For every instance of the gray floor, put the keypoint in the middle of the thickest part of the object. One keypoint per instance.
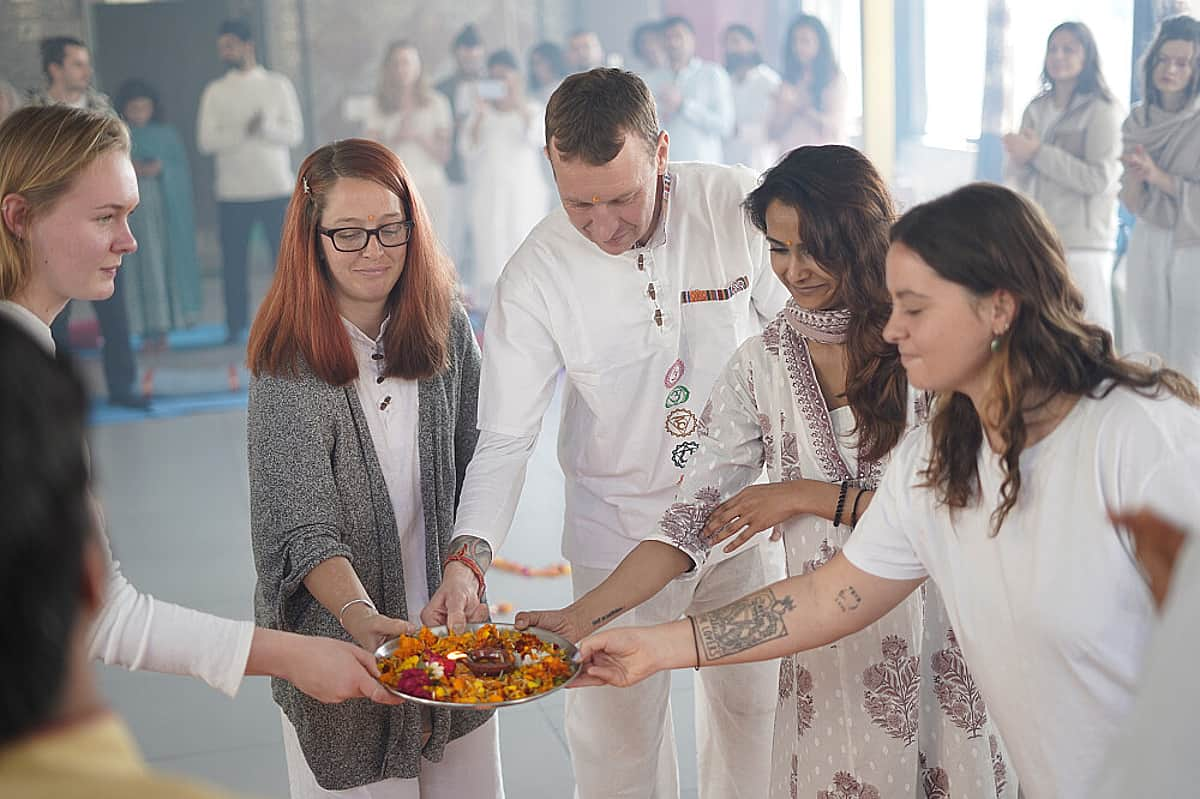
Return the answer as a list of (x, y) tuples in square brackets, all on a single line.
[(176, 498)]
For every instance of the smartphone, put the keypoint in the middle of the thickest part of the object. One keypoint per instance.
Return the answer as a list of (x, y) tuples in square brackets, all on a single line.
[(491, 89)]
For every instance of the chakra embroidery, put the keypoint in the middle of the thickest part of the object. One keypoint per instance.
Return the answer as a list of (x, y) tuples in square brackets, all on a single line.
[(678, 396), (681, 423), (709, 295), (674, 374), (681, 453)]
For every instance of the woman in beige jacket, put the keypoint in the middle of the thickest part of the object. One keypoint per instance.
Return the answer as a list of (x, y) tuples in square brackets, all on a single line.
[(1066, 158)]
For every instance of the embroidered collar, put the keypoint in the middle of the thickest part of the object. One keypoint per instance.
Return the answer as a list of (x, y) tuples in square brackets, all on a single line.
[(824, 327), (659, 236)]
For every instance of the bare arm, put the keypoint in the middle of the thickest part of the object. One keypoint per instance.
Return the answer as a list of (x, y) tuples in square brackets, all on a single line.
[(793, 615), (334, 583), (643, 573)]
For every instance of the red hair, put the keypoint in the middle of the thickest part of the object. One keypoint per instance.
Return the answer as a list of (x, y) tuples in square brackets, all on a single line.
[(299, 319)]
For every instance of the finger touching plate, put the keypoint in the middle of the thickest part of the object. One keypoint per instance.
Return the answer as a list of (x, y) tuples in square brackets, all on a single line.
[(481, 666)]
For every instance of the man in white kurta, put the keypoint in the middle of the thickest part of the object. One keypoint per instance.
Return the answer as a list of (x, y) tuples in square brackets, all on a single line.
[(642, 329)]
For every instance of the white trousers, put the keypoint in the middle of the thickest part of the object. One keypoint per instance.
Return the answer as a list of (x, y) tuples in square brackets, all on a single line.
[(470, 768), (622, 740), (1092, 272), (1162, 295)]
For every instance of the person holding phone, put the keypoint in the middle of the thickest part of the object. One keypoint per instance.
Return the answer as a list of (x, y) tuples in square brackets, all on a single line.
[(503, 150)]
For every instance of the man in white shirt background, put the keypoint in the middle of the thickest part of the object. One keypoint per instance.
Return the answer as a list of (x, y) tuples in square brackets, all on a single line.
[(641, 286), (248, 120), (694, 98), (754, 87), (584, 51)]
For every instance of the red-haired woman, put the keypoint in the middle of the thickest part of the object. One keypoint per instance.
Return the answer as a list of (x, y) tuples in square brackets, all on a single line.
[(361, 424)]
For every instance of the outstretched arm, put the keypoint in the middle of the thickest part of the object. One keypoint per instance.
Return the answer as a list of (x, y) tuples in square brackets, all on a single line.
[(792, 615)]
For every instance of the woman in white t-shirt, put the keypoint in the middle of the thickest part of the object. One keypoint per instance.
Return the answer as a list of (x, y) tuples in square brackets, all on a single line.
[(1038, 429)]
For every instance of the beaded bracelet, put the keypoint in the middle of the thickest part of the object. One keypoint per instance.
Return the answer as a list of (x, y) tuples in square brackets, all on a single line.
[(841, 504)]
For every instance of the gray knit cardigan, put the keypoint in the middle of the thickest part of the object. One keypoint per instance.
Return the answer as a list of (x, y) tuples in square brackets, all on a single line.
[(316, 492)]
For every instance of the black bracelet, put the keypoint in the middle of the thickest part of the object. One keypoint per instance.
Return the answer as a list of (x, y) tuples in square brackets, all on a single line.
[(841, 506), (854, 507), (695, 641)]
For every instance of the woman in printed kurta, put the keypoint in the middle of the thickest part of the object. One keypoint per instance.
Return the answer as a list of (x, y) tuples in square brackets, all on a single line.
[(819, 400)]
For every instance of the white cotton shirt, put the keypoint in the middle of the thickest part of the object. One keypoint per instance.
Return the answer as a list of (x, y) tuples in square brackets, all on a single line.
[(705, 117), (390, 405), (563, 303), (250, 168), (141, 633), (1051, 613)]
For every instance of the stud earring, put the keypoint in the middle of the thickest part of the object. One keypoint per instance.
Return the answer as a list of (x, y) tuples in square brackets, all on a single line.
[(996, 344)]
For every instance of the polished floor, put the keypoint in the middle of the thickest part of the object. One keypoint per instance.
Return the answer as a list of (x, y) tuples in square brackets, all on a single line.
[(176, 498)]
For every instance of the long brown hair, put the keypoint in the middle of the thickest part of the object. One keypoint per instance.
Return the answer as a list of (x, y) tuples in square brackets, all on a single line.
[(845, 212), (1181, 28), (987, 238), (299, 318), (387, 89)]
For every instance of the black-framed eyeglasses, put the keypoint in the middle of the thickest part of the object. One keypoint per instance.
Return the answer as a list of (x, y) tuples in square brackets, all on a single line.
[(354, 239)]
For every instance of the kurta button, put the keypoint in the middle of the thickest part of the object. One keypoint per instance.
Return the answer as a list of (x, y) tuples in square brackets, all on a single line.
[(380, 379), (377, 356)]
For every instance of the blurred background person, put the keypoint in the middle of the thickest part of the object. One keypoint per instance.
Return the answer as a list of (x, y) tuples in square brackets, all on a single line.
[(249, 118), (67, 65), (584, 51), (470, 66), (810, 107), (503, 147), (1065, 157), (1162, 169), (547, 68), (695, 101), (10, 99), (412, 119), (163, 291), (647, 46), (754, 87)]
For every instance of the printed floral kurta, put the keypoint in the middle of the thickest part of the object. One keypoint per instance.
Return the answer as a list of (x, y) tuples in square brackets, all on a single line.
[(890, 711)]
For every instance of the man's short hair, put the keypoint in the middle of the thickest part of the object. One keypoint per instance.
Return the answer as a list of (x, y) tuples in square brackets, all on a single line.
[(47, 521), (467, 37), (591, 113), (54, 50), (238, 28), (671, 22)]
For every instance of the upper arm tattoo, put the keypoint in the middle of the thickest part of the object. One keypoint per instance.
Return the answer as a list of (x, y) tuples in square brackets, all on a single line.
[(473, 548), (741, 625)]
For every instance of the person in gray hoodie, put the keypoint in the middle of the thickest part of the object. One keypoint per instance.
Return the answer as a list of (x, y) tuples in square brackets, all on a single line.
[(1065, 158), (1161, 187)]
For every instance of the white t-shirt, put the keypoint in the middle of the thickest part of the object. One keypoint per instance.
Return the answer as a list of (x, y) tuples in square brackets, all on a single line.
[(634, 388), (1051, 613), (390, 406), (139, 632)]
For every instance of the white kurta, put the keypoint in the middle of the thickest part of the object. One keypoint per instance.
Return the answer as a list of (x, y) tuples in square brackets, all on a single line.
[(1162, 298), (1050, 612), (880, 708), (753, 101), (642, 336), (507, 193), (139, 632), (400, 131)]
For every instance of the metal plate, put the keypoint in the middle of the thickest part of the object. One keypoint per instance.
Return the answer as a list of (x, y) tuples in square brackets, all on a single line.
[(569, 650)]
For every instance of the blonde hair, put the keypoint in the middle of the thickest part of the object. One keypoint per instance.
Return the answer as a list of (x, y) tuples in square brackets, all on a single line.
[(43, 149)]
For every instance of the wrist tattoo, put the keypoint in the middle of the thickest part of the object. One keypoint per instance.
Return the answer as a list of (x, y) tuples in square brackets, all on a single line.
[(743, 624), (596, 622), (473, 549), (848, 599)]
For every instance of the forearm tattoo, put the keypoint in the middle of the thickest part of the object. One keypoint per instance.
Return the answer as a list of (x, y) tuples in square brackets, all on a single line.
[(474, 549), (612, 614), (743, 624), (848, 599)]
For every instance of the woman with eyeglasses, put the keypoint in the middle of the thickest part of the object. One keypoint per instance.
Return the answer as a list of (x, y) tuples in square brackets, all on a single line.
[(361, 424), (1161, 187), (1065, 158), (1003, 498)]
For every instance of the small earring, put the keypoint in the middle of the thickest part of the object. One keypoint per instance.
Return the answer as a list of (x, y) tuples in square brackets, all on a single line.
[(996, 344)]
